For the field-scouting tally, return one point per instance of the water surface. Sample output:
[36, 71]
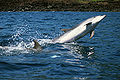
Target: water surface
[87, 59]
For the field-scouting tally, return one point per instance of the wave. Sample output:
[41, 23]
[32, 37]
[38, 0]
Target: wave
[22, 47]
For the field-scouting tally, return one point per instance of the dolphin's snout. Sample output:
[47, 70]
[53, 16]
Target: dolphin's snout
[104, 16]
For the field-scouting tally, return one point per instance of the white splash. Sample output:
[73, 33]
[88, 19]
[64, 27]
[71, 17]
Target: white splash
[44, 41]
[54, 56]
[20, 48]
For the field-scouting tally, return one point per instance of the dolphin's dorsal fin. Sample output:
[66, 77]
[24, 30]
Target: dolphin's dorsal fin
[92, 34]
[66, 30]
[36, 45]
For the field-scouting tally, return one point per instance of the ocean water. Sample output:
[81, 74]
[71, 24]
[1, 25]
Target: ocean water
[86, 59]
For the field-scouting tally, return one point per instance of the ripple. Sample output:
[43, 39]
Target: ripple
[95, 58]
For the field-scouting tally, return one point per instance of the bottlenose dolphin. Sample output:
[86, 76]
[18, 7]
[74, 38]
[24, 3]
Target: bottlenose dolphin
[80, 30]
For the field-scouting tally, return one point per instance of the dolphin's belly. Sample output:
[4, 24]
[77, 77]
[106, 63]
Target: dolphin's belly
[79, 31]
[71, 35]
[74, 35]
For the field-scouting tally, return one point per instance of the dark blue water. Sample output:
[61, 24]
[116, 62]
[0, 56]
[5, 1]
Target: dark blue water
[87, 59]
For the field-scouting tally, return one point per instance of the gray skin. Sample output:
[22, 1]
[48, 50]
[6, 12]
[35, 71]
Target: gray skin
[36, 47]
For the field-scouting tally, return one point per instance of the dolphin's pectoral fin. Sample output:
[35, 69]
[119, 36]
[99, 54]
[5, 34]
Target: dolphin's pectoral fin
[36, 45]
[66, 30]
[92, 34]
[89, 23]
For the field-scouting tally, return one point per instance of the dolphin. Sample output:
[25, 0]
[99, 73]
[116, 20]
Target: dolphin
[37, 46]
[80, 30]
